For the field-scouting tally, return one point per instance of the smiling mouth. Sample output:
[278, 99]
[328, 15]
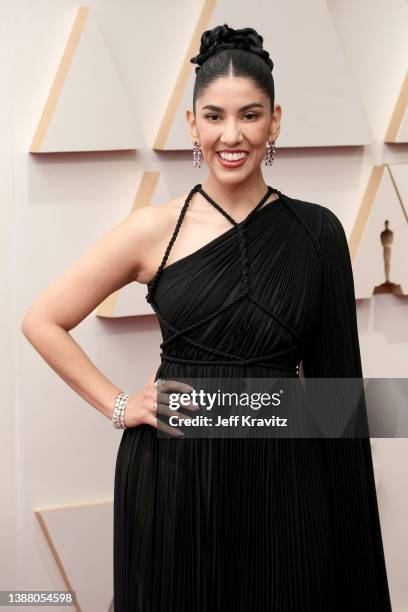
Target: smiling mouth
[232, 156]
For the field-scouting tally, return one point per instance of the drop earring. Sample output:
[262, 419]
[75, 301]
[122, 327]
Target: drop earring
[270, 153]
[197, 155]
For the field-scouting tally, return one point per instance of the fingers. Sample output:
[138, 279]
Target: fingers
[158, 403]
[152, 406]
[172, 386]
[152, 420]
[169, 413]
[173, 431]
[163, 398]
[163, 409]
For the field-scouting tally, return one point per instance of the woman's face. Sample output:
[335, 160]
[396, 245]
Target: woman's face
[233, 115]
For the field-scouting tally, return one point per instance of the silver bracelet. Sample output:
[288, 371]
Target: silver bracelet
[118, 418]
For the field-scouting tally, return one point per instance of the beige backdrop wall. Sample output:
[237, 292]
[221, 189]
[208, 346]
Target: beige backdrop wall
[57, 451]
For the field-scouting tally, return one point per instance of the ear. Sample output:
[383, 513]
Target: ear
[275, 123]
[192, 127]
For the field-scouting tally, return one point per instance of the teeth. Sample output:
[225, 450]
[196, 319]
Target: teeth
[232, 156]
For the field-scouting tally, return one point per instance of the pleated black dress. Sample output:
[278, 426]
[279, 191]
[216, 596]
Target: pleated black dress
[254, 525]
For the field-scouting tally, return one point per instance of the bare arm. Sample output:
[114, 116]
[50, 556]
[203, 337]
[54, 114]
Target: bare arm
[110, 264]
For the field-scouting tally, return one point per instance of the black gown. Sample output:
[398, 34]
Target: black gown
[254, 525]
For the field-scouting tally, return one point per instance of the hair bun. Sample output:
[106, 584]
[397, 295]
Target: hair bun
[223, 37]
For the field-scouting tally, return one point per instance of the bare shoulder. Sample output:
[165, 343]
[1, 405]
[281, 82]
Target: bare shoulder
[152, 218]
[153, 226]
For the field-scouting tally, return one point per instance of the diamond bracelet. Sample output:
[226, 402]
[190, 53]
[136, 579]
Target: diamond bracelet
[118, 418]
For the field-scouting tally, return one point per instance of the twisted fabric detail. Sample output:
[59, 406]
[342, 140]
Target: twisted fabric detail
[268, 359]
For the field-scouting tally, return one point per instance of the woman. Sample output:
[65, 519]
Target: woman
[246, 282]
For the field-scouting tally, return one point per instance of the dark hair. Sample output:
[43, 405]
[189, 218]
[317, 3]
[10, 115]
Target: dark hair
[225, 51]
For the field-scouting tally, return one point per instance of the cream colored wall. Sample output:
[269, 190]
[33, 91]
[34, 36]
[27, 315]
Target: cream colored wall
[8, 313]
[62, 451]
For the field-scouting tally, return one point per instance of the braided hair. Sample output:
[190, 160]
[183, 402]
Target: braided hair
[225, 51]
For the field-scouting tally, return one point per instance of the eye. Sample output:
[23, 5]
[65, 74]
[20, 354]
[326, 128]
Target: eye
[252, 116]
[255, 115]
[211, 115]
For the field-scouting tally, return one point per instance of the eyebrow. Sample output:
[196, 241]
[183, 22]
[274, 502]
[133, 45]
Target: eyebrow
[218, 109]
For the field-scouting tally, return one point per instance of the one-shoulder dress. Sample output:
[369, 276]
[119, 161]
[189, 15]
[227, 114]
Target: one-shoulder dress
[252, 524]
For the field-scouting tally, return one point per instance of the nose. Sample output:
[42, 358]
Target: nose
[231, 134]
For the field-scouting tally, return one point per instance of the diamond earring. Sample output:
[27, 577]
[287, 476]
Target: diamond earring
[197, 155]
[270, 153]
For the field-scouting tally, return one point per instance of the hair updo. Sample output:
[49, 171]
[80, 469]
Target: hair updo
[225, 51]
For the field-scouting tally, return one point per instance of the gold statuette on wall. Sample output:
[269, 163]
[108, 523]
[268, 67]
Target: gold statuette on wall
[387, 236]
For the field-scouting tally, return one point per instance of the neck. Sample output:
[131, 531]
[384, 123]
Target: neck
[237, 196]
